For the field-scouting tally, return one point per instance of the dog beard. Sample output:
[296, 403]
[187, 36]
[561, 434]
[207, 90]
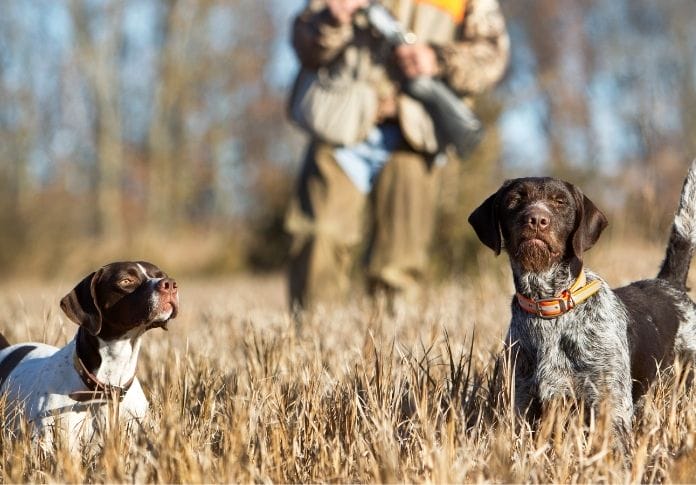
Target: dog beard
[535, 255]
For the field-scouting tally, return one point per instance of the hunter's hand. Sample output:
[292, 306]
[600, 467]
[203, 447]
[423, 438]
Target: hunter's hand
[417, 60]
[343, 10]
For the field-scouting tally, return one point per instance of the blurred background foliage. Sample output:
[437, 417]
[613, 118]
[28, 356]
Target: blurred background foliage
[157, 129]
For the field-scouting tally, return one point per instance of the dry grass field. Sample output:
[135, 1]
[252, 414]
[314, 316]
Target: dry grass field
[360, 396]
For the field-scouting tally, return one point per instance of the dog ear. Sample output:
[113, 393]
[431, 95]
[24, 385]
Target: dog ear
[486, 221]
[589, 223]
[80, 305]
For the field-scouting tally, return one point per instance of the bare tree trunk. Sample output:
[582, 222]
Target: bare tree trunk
[165, 135]
[15, 143]
[99, 59]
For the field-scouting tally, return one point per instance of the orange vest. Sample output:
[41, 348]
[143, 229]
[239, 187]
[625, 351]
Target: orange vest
[455, 8]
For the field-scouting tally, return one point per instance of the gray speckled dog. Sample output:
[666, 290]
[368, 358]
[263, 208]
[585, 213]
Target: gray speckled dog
[570, 334]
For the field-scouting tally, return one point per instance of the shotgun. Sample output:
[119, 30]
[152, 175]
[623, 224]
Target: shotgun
[455, 124]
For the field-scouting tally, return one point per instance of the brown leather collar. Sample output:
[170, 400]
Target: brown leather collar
[97, 390]
[565, 301]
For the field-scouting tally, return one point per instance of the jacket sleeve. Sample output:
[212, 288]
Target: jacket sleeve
[478, 59]
[318, 38]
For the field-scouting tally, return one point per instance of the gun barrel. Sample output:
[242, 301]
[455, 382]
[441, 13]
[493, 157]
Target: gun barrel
[383, 22]
[455, 124]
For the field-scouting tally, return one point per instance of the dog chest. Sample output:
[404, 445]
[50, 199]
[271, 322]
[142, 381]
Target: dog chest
[570, 356]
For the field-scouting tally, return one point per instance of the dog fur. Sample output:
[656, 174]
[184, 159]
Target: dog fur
[114, 307]
[608, 349]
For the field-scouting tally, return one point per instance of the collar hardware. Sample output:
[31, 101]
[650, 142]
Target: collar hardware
[566, 300]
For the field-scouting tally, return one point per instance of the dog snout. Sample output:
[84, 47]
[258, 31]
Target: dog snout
[538, 218]
[167, 285]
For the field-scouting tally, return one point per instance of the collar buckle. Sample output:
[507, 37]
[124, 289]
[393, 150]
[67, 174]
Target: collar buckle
[549, 308]
[553, 307]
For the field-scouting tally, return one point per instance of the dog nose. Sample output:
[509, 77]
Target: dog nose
[167, 285]
[538, 219]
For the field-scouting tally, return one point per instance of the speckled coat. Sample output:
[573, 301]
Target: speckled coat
[608, 349]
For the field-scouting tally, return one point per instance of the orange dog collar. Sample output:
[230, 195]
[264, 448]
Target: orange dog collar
[563, 302]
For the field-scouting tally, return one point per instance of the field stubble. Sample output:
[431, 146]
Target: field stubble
[361, 396]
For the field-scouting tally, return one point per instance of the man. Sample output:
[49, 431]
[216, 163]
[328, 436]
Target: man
[389, 168]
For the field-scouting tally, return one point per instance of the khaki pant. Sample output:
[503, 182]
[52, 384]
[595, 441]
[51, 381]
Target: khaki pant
[327, 219]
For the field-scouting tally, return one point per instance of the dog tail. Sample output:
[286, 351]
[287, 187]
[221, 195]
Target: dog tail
[3, 342]
[682, 239]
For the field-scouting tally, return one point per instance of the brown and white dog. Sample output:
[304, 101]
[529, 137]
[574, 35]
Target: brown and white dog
[68, 388]
[571, 336]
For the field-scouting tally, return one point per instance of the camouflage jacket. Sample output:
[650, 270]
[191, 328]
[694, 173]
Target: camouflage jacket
[468, 36]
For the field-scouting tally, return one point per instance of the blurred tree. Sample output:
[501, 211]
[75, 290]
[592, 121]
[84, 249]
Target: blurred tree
[117, 115]
[167, 172]
[97, 56]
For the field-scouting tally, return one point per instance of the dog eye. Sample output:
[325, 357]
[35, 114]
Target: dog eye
[512, 200]
[126, 282]
[560, 200]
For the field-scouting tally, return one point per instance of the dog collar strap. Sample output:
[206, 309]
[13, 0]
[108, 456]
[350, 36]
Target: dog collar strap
[564, 302]
[97, 390]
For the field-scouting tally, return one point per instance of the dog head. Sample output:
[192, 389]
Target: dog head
[540, 222]
[122, 296]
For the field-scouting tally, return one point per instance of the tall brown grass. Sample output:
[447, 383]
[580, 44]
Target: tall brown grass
[360, 395]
